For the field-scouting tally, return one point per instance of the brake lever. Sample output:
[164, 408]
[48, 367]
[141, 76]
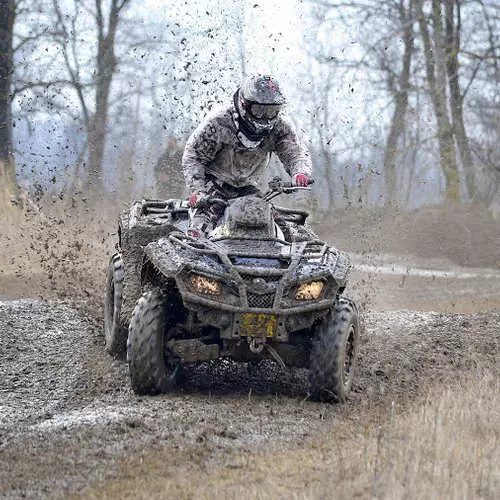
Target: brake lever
[293, 189]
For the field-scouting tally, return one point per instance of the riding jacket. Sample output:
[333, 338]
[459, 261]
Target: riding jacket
[217, 149]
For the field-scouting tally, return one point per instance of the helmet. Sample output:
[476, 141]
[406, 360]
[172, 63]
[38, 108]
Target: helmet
[258, 103]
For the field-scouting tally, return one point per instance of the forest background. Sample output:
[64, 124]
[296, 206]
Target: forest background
[399, 99]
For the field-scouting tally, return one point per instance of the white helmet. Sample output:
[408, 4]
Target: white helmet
[258, 103]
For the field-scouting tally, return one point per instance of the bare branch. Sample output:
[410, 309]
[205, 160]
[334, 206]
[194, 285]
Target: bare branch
[472, 78]
[73, 72]
[46, 85]
[28, 39]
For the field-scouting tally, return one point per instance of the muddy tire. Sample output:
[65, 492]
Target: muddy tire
[151, 369]
[115, 332]
[334, 353]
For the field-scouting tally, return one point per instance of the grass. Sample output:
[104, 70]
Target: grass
[445, 445]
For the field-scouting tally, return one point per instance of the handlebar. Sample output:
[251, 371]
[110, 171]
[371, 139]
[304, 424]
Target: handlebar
[209, 201]
[215, 201]
[277, 186]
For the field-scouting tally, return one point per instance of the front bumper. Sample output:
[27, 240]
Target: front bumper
[229, 318]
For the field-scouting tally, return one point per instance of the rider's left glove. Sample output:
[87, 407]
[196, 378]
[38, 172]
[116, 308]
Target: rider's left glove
[197, 199]
[302, 180]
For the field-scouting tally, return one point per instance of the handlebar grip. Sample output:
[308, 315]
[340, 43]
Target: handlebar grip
[219, 201]
[207, 202]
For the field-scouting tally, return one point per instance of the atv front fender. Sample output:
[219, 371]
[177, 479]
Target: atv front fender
[164, 257]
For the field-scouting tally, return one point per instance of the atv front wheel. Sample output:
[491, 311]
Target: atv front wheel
[153, 368]
[334, 353]
[114, 331]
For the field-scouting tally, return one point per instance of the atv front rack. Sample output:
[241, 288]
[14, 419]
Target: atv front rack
[314, 249]
[160, 209]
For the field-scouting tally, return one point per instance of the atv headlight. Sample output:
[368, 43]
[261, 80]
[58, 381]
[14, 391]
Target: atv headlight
[204, 285]
[309, 291]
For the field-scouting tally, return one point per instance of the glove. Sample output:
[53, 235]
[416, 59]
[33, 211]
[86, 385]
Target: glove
[196, 199]
[193, 233]
[302, 180]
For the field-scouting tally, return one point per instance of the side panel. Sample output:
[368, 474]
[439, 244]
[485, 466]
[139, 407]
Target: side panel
[137, 228]
[342, 269]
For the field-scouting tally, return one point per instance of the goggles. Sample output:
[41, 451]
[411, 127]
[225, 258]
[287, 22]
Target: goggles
[264, 111]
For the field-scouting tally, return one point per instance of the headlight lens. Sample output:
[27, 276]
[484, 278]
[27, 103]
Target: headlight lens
[204, 285]
[309, 291]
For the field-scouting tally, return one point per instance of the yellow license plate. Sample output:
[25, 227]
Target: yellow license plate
[258, 325]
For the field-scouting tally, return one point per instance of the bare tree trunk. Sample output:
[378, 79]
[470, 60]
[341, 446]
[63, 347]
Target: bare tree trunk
[456, 100]
[436, 78]
[414, 154]
[8, 183]
[106, 66]
[330, 185]
[327, 160]
[401, 97]
[326, 154]
[7, 14]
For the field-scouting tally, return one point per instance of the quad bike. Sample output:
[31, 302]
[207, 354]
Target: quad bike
[256, 286]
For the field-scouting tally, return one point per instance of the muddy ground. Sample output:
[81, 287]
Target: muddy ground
[69, 423]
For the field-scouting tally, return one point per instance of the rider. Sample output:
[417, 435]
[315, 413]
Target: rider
[227, 154]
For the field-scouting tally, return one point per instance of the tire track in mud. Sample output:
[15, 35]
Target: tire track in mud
[406, 270]
[68, 417]
[42, 347]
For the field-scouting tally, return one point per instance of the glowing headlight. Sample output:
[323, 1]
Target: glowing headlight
[309, 291]
[204, 285]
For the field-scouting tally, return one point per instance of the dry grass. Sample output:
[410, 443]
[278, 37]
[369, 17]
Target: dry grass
[445, 445]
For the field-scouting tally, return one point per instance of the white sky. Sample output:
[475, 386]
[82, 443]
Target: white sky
[268, 25]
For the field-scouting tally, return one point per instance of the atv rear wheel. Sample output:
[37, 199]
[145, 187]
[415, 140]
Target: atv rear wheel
[334, 353]
[114, 331]
[152, 367]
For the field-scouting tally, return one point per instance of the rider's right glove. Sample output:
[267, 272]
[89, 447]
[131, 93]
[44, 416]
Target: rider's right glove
[302, 180]
[193, 200]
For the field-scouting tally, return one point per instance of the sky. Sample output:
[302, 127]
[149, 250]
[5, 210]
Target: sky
[271, 29]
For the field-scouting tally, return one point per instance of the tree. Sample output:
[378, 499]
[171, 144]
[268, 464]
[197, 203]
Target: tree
[452, 49]
[432, 56]
[96, 114]
[435, 65]
[481, 61]
[374, 60]
[7, 167]
[106, 67]
[7, 15]
[399, 87]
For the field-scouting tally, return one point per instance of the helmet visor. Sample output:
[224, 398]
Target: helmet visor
[264, 111]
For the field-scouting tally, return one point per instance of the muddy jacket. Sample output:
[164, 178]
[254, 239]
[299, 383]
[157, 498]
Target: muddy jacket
[214, 149]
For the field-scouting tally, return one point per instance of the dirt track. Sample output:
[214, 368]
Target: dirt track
[70, 424]
[69, 421]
